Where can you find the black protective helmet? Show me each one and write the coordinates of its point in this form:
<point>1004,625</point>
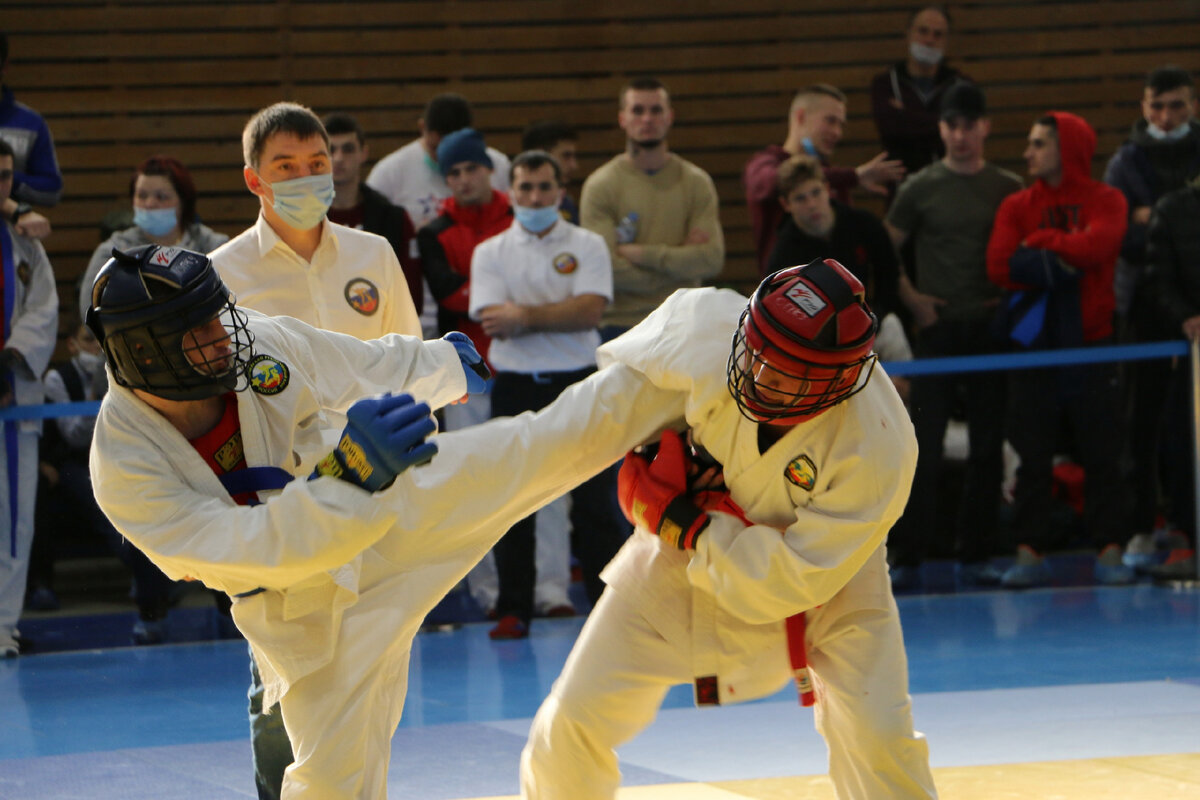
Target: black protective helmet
<point>146,303</point>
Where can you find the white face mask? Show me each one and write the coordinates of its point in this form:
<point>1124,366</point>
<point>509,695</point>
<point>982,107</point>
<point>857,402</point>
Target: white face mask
<point>1173,135</point>
<point>924,53</point>
<point>90,362</point>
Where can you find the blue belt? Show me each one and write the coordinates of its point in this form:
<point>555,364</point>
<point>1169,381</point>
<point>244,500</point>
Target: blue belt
<point>255,479</point>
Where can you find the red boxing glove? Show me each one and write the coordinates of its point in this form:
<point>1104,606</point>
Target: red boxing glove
<point>653,494</point>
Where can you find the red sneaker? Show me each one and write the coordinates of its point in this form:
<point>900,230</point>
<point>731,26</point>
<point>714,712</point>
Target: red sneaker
<point>510,626</point>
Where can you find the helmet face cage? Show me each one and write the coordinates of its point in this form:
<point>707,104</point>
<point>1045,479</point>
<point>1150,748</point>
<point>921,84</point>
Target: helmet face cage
<point>777,371</point>
<point>770,385</point>
<point>165,341</point>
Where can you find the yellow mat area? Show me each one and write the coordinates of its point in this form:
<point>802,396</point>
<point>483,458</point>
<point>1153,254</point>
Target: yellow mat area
<point>1169,777</point>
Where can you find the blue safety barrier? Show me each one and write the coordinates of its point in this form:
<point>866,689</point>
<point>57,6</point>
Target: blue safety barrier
<point>1037,358</point>
<point>920,366</point>
<point>48,410</point>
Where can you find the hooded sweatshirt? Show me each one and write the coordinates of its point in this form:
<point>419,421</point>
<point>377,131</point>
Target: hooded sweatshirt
<point>1081,220</point>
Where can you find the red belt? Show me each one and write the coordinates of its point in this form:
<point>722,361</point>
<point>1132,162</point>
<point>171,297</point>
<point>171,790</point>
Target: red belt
<point>798,655</point>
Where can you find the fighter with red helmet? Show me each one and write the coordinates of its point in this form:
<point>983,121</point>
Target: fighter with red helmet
<point>718,580</point>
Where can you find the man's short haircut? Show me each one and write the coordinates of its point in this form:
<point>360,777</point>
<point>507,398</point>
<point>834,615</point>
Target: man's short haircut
<point>180,179</point>
<point>807,95</point>
<point>797,170</point>
<point>547,133</point>
<point>339,123</point>
<point>534,159</point>
<point>292,118</point>
<point>1050,121</point>
<point>6,149</point>
<point>446,113</point>
<point>916,12</point>
<point>1168,78</point>
<point>642,85</point>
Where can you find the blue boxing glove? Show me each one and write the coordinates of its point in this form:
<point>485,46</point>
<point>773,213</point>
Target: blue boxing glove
<point>476,371</point>
<point>384,436</point>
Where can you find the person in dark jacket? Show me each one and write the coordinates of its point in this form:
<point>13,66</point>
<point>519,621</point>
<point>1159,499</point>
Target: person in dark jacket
<point>357,205</point>
<point>816,226</point>
<point>1173,289</point>
<point>906,98</point>
<point>1160,156</point>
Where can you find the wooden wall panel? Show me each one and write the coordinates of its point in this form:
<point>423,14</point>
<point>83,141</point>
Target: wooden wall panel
<point>119,80</point>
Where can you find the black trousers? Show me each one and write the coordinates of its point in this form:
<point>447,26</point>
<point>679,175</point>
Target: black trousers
<point>1088,399</point>
<point>932,401</point>
<point>598,528</point>
<point>68,506</point>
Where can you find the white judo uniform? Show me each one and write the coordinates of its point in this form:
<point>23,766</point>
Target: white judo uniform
<point>34,333</point>
<point>349,575</point>
<point>824,497</point>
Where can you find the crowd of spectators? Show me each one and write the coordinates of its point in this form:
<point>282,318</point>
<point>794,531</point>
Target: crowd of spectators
<point>966,261</point>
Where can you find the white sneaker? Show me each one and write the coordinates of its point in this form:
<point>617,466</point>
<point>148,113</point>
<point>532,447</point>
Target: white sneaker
<point>1141,551</point>
<point>9,647</point>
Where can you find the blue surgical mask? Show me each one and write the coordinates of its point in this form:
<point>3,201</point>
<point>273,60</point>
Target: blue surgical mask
<point>536,220</point>
<point>156,221</point>
<point>1173,135</point>
<point>303,202</point>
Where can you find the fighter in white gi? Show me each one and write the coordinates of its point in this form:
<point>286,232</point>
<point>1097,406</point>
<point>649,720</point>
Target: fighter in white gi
<point>818,453</point>
<point>332,575</point>
<point>295,262</point>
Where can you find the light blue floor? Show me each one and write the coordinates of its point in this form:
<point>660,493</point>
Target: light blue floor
<point>996,678</point>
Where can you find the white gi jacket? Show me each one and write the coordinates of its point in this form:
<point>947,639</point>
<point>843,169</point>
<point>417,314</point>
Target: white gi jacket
<point>304,545</point>
<point>825,496</point>
<point>34,332</point>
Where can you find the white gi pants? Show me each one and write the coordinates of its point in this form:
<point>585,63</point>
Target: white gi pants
<point>14,570</point>
<point>341,717</point>
<point>621,668</point>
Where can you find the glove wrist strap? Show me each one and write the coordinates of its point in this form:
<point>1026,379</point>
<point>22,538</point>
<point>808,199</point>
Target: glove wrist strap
<point>682,523</point>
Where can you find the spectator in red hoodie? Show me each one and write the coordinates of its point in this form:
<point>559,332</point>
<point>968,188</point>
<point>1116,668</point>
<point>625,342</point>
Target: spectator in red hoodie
<point>1054,246</point>
<point>474,212</point>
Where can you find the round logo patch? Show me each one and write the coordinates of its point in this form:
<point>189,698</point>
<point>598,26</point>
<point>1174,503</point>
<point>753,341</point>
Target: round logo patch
<point>268,375</point>
<point>363,296</point>
<point>802,472</point>
<point>565,263</point>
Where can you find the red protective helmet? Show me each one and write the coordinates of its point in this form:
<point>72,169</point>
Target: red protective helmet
<point>803,344</point>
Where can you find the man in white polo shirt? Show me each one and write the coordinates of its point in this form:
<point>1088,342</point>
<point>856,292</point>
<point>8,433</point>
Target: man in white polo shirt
<point>295,262</point>
<point>539,290</point>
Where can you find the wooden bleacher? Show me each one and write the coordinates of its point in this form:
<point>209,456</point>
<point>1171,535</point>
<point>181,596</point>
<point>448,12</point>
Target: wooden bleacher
<point>120,80</point>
